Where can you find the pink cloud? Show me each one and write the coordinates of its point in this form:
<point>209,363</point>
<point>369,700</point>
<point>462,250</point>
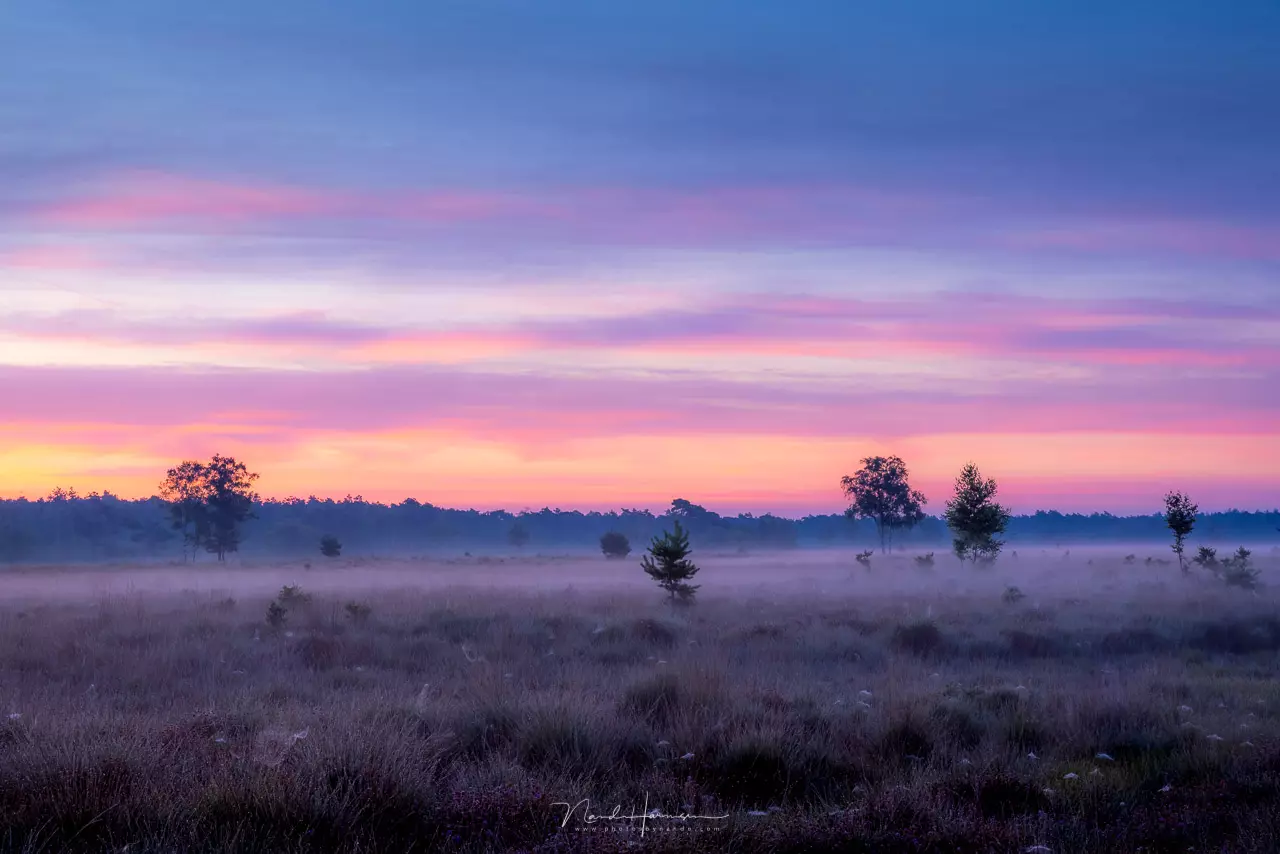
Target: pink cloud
<point>1260,243</point>
<point>550,409</point>
<point>1083,332</point>
<point>792,214</point>
<point>52,258</point>
<point>151,197</point>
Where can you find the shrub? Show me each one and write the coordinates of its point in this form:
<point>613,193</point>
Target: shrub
<point>1127,733</point>
<point>518,536</point>
<point>1206,557</point>
<point>656,699</point>
<point>1239,637</point>
<point>318,652</point>
<point>956,725</point>
<point>485,730</point>
<point>904,740</point>
<point>358,612</point>
<point>330,546</point>
<point>752,774</point>
<point>924,561</point>
<point>664,698</point>
<point>1139,641</point>
<point>1004,796</point>
<point>291,594</point>
<point>653,631</point>
<point>921,639</point>
<point>556,742</point>
<point>1027,645</point>
<point>1012,595</point>
<point>1238,571</point>
<point>277,614</point>
<point>615,545</point>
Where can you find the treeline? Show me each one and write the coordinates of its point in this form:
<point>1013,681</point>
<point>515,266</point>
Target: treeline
<point>68,527</point>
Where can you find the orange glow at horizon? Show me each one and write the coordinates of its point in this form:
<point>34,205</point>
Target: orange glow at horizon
<point>447,468</point>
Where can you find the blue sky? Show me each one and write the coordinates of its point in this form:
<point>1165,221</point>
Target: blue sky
<point>484,192</point>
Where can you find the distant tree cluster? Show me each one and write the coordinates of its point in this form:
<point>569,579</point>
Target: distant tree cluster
<point>211,507</point>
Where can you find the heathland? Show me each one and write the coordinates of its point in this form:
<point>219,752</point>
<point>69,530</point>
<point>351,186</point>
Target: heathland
<point>1054,701</point>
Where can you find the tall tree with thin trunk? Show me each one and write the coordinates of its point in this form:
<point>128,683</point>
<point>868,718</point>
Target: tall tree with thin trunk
<point>881,491</point>
<point>975,519</point>
<point>1180,516</point>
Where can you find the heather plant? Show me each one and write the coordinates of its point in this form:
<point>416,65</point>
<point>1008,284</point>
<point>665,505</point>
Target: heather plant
<point>1120,715</point>
<point>277,615</point>
<point>358,612</point>
<point>292,595</point>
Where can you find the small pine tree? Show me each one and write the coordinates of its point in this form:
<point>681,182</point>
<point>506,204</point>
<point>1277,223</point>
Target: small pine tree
<point>1206,557</point>
<point>975,518</point>
<point>330,546</point>
<point>615,545</point>
<point>1238,571</point>
<point>1180,516</point>
<point>667,563</point>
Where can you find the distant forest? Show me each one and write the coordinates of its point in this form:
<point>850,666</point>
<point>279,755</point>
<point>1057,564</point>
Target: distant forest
<point>68,527</point>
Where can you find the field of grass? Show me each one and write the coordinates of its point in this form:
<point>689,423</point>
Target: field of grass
<point>805,704</point>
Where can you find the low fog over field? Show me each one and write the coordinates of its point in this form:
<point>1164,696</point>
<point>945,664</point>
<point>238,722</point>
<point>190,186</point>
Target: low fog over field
<point>1081,701</point>
<point>1097,572</point>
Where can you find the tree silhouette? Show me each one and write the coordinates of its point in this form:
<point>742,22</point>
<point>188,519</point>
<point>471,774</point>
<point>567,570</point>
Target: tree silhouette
<point>1180,516</point>
<point>667,563</point>
<point>209,501</point>
<point>518,535</point>
<point>615,545</point>
<point>974,518</point>
<point>880,490</point>
<point>330,546</point>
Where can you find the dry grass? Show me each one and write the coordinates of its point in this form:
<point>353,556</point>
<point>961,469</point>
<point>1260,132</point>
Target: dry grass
<point>896,709</point>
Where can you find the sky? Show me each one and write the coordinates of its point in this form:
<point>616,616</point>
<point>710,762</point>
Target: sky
<point>592,255</point>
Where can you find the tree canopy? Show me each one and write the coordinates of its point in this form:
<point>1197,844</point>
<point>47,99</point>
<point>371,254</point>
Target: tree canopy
<point>208,502</point>
<point>881,491</point>
<point>974,518</point>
